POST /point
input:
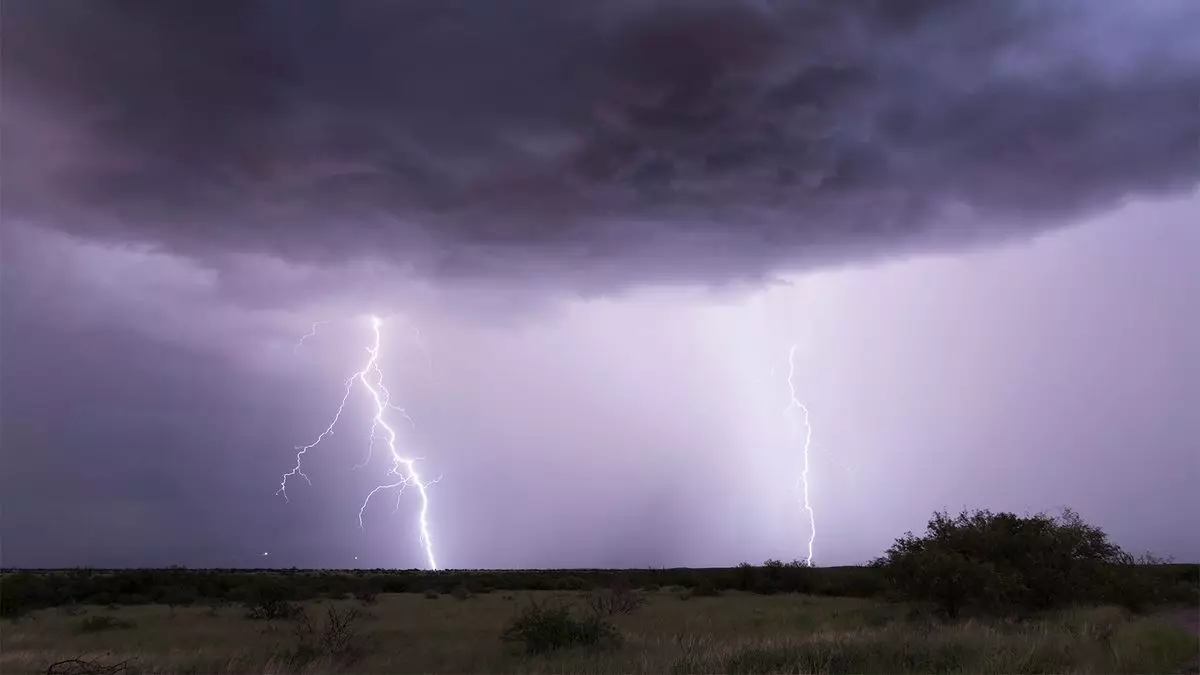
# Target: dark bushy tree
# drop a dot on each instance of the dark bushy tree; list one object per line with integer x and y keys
{"x": 1001, "y": 562}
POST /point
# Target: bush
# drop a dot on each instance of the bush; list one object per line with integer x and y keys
{"x": 179, "y": 597}
{"x": 1137, "y": 583}
{"x": 618, "y": 598}
{"x": 796, "y": 576}
{"x": 570, "y": 583}
{"x": 705, "y": 588}
{"x": 215, "y": 605}
{"x": 367, "y": 595}
{"x": 336, "y": 636}
{"x": 775, "y": 576}
{"x": 851, "y": 582}
{"x": 1000, "y": 562}
{"x": 542, "y": 629}
{"x": 268, "y": 602}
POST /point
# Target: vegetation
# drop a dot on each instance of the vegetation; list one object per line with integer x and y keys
{"x": 735, "y": 633}
{"x": 1001, "y": 563}
{"x": 22, "y": 591}
{"x": 542, "y": 628}
{"x": 269, "y": 601}
{"x": 976, "y": 592}
{"x": 332, "y": 638}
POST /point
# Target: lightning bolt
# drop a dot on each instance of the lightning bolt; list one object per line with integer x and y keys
{"x": 795, "y": 404}
{"x": 311, "y": 333}
{"x": 403, "y": 468}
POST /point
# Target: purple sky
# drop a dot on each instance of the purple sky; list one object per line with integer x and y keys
{"x": 975, "y": 220}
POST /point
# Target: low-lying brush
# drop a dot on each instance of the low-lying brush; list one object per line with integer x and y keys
{"x": 273, "y": 610}
{"x": 1139, "y": 646}
{"x": 736, "y": 632}
{"x": 367, "y": 596}
{"x": 270, "y": 602}
{"x": 335, "y": 636}
{"x": 543, "y": 628}
{"x": 619, "y": 598}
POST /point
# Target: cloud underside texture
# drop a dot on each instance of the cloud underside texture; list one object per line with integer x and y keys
{"x": 631, "y": 140}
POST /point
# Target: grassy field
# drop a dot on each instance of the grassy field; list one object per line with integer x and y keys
{"x": 672, "y": 631}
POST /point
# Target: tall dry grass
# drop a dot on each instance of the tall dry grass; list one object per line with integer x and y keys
{"x": 733, "y": 633}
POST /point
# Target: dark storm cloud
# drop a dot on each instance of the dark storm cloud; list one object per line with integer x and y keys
{"x": 686, "y": 139}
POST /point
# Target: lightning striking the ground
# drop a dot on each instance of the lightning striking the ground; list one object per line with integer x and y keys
{"x": 795, "y": 405}
{"x": 403, "y": 468}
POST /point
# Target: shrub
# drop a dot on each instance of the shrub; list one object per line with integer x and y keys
{"x": 96, "y": 624}
{"x": 1136, "y": 583}
{"x": 775, "y": 576}
{"x": 179, "y": 597}
{"x": 542, "y": 629}
{"x": 367, "y": 595}
{"x": 268, "y": 602}
{"x": 432, "y": 594}
{"x": 130, "y": 599}
{"x": 618, "y": 598}
{"x": 1000, "y": 562}
{"x": 705, "y": 588}
{"x": 461, "y": 592}
{"x": 746, "y": 577}
{"x": 72, "y": 610}
{"x": 397, "y": 585}
{"x": 570, "y": 583}
{"x": 853, "y": 582}
{"x": 797, "y": 576}
{"x": 336, "y": 636}
{"x": 215, "y": 605}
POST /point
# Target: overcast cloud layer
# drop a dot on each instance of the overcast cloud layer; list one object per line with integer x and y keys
{"x": 620, "y": 141}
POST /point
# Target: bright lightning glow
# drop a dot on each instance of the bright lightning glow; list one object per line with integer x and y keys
{"x": 795, "y": 404}
{"x": 403, "y": 468}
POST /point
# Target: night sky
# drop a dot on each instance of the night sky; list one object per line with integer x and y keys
{"x": 593, "y": 232}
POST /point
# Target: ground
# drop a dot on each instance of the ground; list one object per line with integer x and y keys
{"x": 674, "y": 632}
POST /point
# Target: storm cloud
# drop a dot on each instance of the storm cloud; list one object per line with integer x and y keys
{"x": 631, "y": 141}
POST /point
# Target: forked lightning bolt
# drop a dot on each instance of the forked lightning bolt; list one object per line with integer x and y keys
{"x": 795, "y": 404}
{"x": 403, "y": 468}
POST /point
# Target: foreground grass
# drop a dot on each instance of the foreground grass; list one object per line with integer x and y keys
{"x": 734, "y": 633}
